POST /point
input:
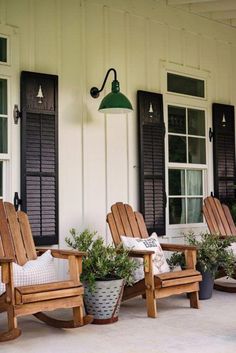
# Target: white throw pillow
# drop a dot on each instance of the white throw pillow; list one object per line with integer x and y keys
{"x": 152, "y": 243}
{"x": 39, "y": 271}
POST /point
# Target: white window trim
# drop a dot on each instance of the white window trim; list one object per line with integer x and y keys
{"x": 8, "y": 62}
{"x": 10, "y": 71}
{"x": 187, "y": 101}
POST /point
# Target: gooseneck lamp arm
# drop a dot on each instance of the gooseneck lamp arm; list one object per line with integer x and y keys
{"x": 95, "y": 91}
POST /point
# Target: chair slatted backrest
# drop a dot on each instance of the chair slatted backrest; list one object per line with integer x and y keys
{"x": 6, "y": 243}
{"x": 218, "y": 217}
{"x": 124, "y": 221}
{"x": 18, "y": 234}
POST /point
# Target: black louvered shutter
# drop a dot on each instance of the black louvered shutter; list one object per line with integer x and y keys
{"x": 39, "y": 154}
{"x": 224, "y": 152}
{"x": 152, "y": 160}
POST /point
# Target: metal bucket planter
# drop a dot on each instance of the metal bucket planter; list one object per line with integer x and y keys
{"x": 104, "y": 302}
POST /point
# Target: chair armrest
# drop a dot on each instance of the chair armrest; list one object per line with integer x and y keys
{"x": 140, "y": 253}
{"x": 62, "y": 254}
{"x": 177, "y": 247}
{"x": 4, "y": 260}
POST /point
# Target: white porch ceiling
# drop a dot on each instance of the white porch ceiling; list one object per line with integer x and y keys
{"x": 223, "y": 11}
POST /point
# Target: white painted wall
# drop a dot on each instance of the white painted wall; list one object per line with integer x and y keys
{"x": 79, "y": 40}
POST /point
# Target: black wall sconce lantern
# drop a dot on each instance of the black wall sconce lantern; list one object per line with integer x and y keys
{"x": 115, "y": 102}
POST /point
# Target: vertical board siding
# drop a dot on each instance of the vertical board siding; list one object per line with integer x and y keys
{"x": 79, "y": 40}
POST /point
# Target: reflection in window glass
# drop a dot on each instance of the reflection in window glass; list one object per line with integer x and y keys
{"x": 194, "y": 206}
{"x": 3, "y": 96}
{"x": 176, "y": 182}
{"x": 1, "y": 180}
{"x": 3, "y": 135}
{"x": 194, "y": 182}
{"x": 177, "y": 149}
{"x": 196, "y": 122}
{"x": 177, "y": 120}
{"x": 185, "y": 85}
{"x": 177, "y": 211}
{"x": 3, "y": 49}
{"x": 196, "y": 150}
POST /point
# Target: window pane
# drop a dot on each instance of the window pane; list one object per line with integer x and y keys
{"x": 3, "y": 135}
{"x": 3, "y": 96}
{"x": 177, "y": 149}
{"x": 185, "y": 85}
{"x": 196, "y": 150}
{"x": 176, "y": 182}
{"x": 177, "y": 211}
{"x": 177, "y": 120}
{"x": 0, "y": 179}
{"x": 3, "y": 49}
{"x": 194, "y": 182}
{"x": 194, "y": 210}
{"x": 196, "y": 122}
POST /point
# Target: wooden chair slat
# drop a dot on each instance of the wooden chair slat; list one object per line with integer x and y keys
{"x": 214, "y": 216}
{"x": 223, "y": 218}
{"x": 112, "y": 224}
{"x": 211, "y": 223}
{"x": 132, "y": 221}
{"x": 6, "y": 238}
{"x": 16, "y": 233}
{"x": 141, "y": 224}
{"x": 229, "y": 219}
{"x": 28, "y": 238}
{"x": 2, "y": 254}
{"x": 117, "y": 219}
{"x": 124, "y": 219}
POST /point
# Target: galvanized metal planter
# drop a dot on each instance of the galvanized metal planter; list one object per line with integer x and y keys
{"x": 104, "y": 302}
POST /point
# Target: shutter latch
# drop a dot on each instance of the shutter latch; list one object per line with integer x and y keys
{"x": 16, "y": 114}
{"x": 17, "y": 201}
{"x": 211, "y": 134}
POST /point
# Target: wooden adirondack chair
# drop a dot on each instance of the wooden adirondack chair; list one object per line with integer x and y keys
{"x": 220, "y": 221}
{"x": 16, "y": 244}
{"x": 124, "y": 221}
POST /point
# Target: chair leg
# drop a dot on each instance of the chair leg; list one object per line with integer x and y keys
{"x": 78, "y": 316}
{"x": 151, "y": 304}
{"x": 194, "y": 301}
{"x": 13, "y": 332}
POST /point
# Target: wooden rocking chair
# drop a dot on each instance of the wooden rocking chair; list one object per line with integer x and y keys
{"x": 17, "y": 245}
{"x": 220, "y": 221}
{"x": 124, "y": 221}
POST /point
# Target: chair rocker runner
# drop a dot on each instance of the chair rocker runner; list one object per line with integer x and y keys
{"x": 17, "y": 245}
{"x": 123, "y": 221}
{"x": 220, "y": 221}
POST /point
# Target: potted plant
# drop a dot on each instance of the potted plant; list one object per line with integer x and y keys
{"x": 105, "y": 270}
{"x": 213, "y": 254}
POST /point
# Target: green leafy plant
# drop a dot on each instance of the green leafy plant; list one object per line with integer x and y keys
{"x": 176, "y": 259}
{"x": 103, "y": 262}
{"x": 212, "y": 252}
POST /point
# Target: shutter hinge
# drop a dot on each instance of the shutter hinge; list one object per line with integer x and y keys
{"x": 17, "y": 201}
{"x": 16, "y": 114}
{"x": 211, "y": 134}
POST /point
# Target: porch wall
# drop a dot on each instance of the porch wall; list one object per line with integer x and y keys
{"x": 79, "y": 40}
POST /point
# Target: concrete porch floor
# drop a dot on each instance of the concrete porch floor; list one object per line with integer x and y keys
{"x": 212, "y": 329}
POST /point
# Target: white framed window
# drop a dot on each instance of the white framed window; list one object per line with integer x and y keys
{"x": 186, "y": 163}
